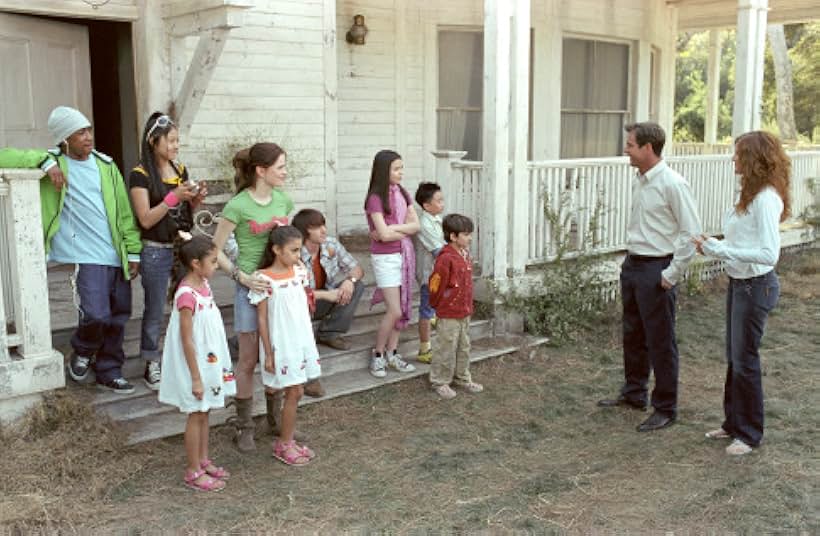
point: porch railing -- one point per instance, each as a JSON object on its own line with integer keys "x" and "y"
{"x": 27, "y": 358}
{"x": 574, "y": 188}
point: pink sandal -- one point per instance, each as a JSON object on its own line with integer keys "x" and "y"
{"x": 290, "y": 453}
{"x": 195, "y": 480}
{"x": 208, "y": 466}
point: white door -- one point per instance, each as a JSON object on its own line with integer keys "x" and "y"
{"x": 44, "y": 64}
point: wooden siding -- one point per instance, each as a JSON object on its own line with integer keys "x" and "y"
{"x": 267, "y": 86}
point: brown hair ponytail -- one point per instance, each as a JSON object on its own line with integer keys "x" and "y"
{"x": 247, "y": 160}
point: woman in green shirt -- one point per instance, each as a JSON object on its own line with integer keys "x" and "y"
{"x": 258, "y": 206}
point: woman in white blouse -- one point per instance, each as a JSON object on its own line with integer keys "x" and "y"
{"x": 751, "y": 247}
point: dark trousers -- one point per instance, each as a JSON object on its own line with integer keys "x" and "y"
{"x": 336, "y": 319}
{"x": 105, "y": 306}
{"x": 748, "y": 302}
{"x": 649, "y": 334}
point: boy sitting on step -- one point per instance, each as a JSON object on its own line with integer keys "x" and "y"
{"x": 451, "y": 293}
{"x": 428, "y": 243}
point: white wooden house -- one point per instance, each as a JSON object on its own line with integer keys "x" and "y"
{"x": 510, "y": 86}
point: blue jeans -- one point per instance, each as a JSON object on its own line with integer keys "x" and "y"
{"x": 426, "y": 312}
{"x": 155, "y": 274}
{"x": 105, "y": 306}
{"x": 649, "y": 334}
{"x": 748, "y": 302}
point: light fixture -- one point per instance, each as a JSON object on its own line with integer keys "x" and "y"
{"x": 357, "y": 32}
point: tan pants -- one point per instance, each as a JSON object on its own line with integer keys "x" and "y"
{"x": 451, "y": 360}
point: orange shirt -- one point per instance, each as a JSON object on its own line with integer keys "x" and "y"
{"x": 319, "y": 275}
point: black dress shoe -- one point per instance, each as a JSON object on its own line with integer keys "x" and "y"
{"x": 621, "y": 401}
{"x": 656, "y": 421}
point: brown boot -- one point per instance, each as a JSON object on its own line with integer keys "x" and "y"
{"x": 314, "y": 389}
{"x": 245, "y": 426}
{"x": 274, "y": 402}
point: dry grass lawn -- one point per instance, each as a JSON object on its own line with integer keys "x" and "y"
{"x": 531, "y": 454}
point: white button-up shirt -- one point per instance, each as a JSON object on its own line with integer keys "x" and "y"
{"x": 664, "y": 219}
{"x": 751, "y": 244}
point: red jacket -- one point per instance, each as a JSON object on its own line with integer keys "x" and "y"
{"x": 451, "y": 284}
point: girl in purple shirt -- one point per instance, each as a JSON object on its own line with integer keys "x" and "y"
{"x": 392, "y": 221}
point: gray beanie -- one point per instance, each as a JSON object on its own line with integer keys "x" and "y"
{"x": 65, "y": 121}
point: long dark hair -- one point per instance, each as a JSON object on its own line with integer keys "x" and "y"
{"x": 763, "y": 162}
{"x": 245, "y": 162}
{"x": 280, "y": 236}
{"x": 380, "y": 179}
{"x": 185, "y": 253}
{"x": 151, "y": 134}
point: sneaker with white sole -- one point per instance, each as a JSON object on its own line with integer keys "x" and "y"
{"x": 378, "y": 364}
{"x": 738, "y": 448}
{"x": 152, "y": 375}
{"x": 719, "y": 433}
{"x": 117, "y": 385}
{"x": 79, "y": 367}
{"x": 472, "y": 387}
{"x": 396, "y": 362}
{"x": 445, "y": 391}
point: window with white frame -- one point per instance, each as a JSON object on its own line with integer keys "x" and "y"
{"x": 594, "y": 97}
{"x": 460, "y": 91}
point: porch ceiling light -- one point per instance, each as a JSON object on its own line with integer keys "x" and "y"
{"x": 357, "y": 32}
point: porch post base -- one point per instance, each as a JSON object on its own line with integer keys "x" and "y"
{"x": 23, "y": 381}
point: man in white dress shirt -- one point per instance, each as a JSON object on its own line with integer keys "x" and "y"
{"x": 662, "y": 222}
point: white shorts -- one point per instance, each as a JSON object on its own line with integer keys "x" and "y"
{"x": 387, "y": 269}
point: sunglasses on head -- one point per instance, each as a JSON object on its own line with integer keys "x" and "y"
{"x": 162, "y": 121}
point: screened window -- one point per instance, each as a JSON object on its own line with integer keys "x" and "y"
{"x": 594, "y": 98}
{"x": 460, "y": 92}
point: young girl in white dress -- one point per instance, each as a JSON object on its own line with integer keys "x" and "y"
{"x": 287, "y": 349}
{"x": 197, "y": 373}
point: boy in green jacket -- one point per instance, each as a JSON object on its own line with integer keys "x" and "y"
{"x": 87, "y": 221}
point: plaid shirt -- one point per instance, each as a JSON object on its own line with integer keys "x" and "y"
{"x": 335, "y": 260}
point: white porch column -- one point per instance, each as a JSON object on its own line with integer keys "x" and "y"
{"x": 34, "y": 366}
{"x": 751, "y": 42}
{"x": 519, "y": 128}
{"x": 496, "y": 132}
{"x": 331, "y": 124}
{"x": 710, "y": 124}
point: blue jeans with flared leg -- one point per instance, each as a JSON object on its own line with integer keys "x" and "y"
{"x": 748, "y": 302}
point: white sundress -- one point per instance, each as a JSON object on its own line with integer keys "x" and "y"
{"x": 212, "y": 356}
{"x": 295, "y": 356}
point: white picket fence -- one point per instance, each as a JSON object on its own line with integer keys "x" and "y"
{"x": 574, "y": 188}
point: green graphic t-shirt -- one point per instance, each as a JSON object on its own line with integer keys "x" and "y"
{"x": 254, "y": 222}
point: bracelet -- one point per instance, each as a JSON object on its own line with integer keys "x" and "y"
{"x": 171, "y": 199}
{"x": 235, "y": 273}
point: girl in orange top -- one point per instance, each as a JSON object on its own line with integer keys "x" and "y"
{"x": 287, "y": 349}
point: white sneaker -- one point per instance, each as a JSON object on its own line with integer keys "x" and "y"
{"x": 152, "y": 375}
{"x": 377, "y": 366}
{"x": 396, "y": 362}
{"x": 738, "y": 448}
{"x": 445, "y": 391}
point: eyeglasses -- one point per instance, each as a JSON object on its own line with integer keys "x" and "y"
{"x": 162, "y": 122}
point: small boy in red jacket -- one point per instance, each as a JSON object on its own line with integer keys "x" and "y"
{"x": 451, "y": 294}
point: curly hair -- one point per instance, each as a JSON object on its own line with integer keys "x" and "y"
{"x": 762, "y": 162}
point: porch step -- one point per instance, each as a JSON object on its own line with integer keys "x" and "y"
{"x": 147, "y": 427}
{"x": 143, "y": 401}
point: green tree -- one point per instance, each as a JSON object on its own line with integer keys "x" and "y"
{"x": 803, "y": 41}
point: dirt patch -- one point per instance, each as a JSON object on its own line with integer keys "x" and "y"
{"x": 532, "y": 453}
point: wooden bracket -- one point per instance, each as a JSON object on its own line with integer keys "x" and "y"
{"x": 210, "y": 21}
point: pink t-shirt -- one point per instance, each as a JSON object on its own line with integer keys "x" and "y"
{"x": 187, "y": 300}
{"x": 374, "y": 204}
